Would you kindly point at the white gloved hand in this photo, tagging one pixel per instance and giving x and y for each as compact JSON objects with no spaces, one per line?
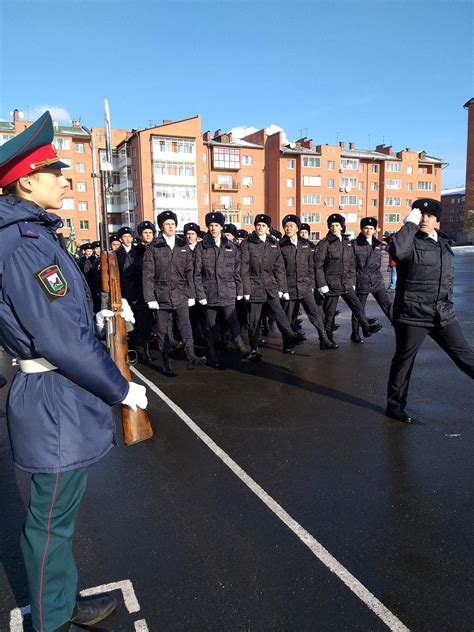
{"x":239,"y":298}
{"x":203,"y":301}
{"x":286,"y":296}
{"x":153,"y":305}
{"x":280,"y":294}
{"x":354,"y":287}
{"x":191,"y":302}
{"x":127,"y":313}
{"x":413,"y":216}
{"x":247,"y":297}
{"x":100,"y":319}
{"x":323,"y":290}
{"x":136,"y":396}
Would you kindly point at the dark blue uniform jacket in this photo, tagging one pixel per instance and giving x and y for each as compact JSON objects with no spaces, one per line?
{"x":58,"y":420}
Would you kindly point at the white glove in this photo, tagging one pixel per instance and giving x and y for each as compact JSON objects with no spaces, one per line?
{"x":354,"y":287}
{"x":247,"y":297}
{"x":203,"y":301}
{"x":153,"y":305}
{"x":323,"y":290}
{"x":127,"y":313}
{"x":136,"y":396}
{"x":286,"y":296}
{"x":413,"y":216}
{"x":191,"y":302}
{"x":101,"y":316}
{"x":239,"y":298}
{"x":280,"y":294}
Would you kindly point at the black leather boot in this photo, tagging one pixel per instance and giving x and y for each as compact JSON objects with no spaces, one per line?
{"x":240,"y":344}
{"x":327,"y":345}
{"x":146,"y":352}
{"x":369,"y":330}
{"x":193,"y":360}
{"x":91,"y":610}
{"x":253,"y":355}
{"x":167,"y":370}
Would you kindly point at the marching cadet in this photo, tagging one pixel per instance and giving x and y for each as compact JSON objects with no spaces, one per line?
{"x":336,"y":277}
{"x":240,"y":235}
{"x":369,"y":280}
{"x":264,"y":281}
{"x":218,"y":283}
{"x":299,"y":265}
{"x":59,"y":415}
{"x":168,"y":288}
{"x":192,"y":234}
{"x":125,"y":257}
{"x":423,"y":304}
{"x":144,"y":316}
{"x":114,"y":242}
{"x":89,"y":264}
{"x":230,"y":231}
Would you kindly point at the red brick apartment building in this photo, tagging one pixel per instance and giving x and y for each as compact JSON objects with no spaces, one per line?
{"x":452,"y":221}
{"x":469,"y":202}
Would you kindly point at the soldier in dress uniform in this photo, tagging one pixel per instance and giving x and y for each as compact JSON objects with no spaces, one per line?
{"x":300,"y":275}
{"x":144,"y":316}
{"x":369,"y":280}
{"x":168,"y":288}
{"x":423,"y":304}
{"x":59,"y":415}
{"x":336,"y":276}
{"x":264,"y":281}
{"x":218,"y":283}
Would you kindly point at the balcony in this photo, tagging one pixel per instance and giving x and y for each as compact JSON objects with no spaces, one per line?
{"x":220,"y":186}
{"x":226,"y":208}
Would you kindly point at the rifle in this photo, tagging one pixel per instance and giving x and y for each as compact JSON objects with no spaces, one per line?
{"x":135,"y":424}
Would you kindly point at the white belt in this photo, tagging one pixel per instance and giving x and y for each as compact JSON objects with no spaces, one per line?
{"x":36,"y":365}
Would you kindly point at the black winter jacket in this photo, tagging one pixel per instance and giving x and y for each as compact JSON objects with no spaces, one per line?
{"x":368,"y":261}
{"x":217,"y":271}
{"x":262,"y":269}
{"x":334,"y":261}
{"x":168,"y":274}
{"x":299,"y":265}
{"x":425,"y":277}
{"x":125,"y":262}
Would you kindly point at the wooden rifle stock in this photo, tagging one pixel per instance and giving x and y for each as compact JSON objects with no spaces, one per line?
{"x":135,"y":424}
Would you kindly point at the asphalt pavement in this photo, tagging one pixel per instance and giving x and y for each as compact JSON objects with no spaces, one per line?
{"x":278,"y":496}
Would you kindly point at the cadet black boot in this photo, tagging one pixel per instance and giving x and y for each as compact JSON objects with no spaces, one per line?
{"x":326,"y":345}
{"x":167,"y":370}
{"x":193,"y":360}
{"x":91,"y":610}
{"x":356,"y":338}
{"x":253,"y":355}
{"x":369,"y":330}
{"x":240,"y":344}
{"x":146,"y":352}
{"x":398,"y":414}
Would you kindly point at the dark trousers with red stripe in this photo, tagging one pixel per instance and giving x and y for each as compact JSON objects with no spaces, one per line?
{"x":46,"y":543}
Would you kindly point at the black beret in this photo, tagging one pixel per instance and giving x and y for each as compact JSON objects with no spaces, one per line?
{"x":336,"y":217}
{"x":428,"y":205}
{"x":125,"y":230}
{"x":215,"y":218}
{"x":230,"y":228}
{"x":262,"y":218}
{"x":95,"y":244}
{"x":368,"y":221}
{"x":305,"y":226}
{"x":192,"y":226}
{"x":144,"y":226}
{"x":291,"y":218}
{"x":241,"y":234}
{"x":164,"y":215}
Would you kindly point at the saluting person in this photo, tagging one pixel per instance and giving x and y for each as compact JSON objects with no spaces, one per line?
{"x":59,"y":415}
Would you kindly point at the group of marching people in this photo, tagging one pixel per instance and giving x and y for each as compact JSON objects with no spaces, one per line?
{"x":223,"y":282}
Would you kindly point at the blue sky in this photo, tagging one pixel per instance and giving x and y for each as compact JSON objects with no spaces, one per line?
{"x":354,"y":70}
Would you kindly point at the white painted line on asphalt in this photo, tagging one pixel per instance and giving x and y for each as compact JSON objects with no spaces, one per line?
{"x":390,"y":620}
{"x":141,"y":626}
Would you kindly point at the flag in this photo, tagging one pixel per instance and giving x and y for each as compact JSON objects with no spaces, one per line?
{"x":71,"y":242}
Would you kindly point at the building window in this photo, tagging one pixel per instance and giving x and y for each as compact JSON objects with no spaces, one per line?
{"x":84,"y":224}
{"x":206,"y":198}
{"x":408,"y":203}
{"x":67,"y":222}
{"x":204,"y":178}
{"x":393,"y":201}
{"x":309,"y":161}
{"x":290,"y":183}
{"x":162,"y":168}
{"x":349,"y":182}
{"x":409,"y":186}
{"x":374,"y":186}
{"x":373,"y":203}
{"x":312,"y":198}
{"x":393,"y":184}
{"x":290,"y":201}
{"x":394,"y":166}
{"x":330,"y":201}
{"x":62,"y":144}
{"x":374,"y":168}
{"x":173,"y":145}
{"x":247,"y":200}
{"x":330,"y":183}
{"x":68,"y":204}
{"x":80,"y":167}
{"x":82,"y":206}
{"x":247,"y":181}
{"x":204,"y":157}
{"x":247,"y":160}
{"x":312,"y":218}
{"x":290,"y":164}
{"x":314,"y":235}
{"x":82,"y":187}
{"x":424,"y":185}
{"x":347,"y":163}
{"x":226,"y":158}
{"x":331,"y":164}
{"x":248,"y":219}
{"x":224,"y":180}
{"x":348,"y":199}
{"x":79,"y":148}
{"x":361,"y":168}
{"x":391,"y":218}
{"x":409,"y":170}
{"x":312,"y":181}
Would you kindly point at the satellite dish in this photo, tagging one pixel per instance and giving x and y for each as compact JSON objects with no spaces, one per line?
{"x":348,"y":189}
{"x":293,"y":145}
{"x":21,"y":115}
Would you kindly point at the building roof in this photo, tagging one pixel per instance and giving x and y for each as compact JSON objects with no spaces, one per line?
{"x":65,"y":130}
{"x":6,"y":126}
{"x":235,"y":143}
{"x":367,"y":154}
{"x":455,"y":191}
{"x":468,"y":103}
